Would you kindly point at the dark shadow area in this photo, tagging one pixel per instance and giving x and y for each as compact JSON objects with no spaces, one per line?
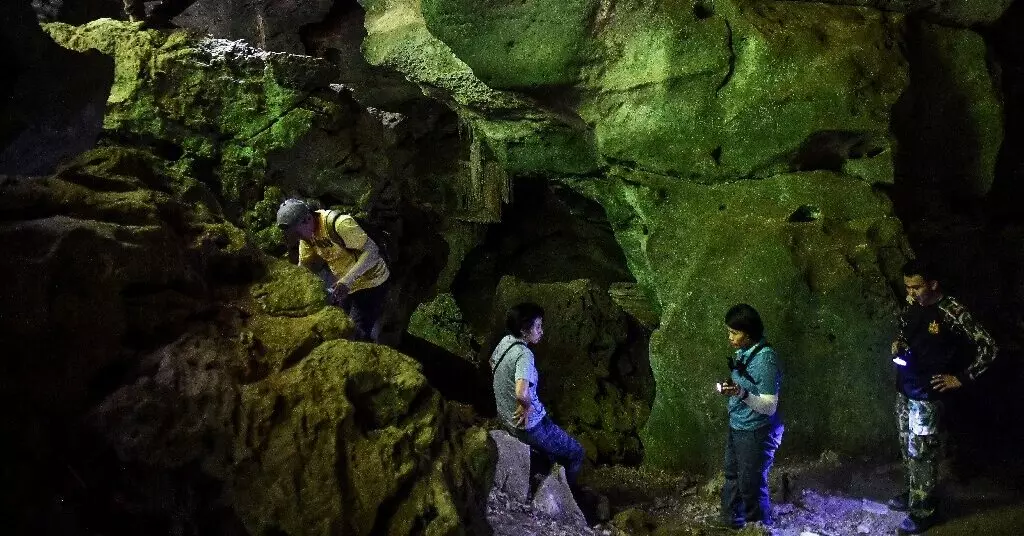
{"x":830,"y":149}
{"x":549,"y":234}
{"x":338,"y":38}
{"x":454,"y":377}
{"x":52,"y":100}
{"x":939,"y":148}
{"x":1006,"y":43}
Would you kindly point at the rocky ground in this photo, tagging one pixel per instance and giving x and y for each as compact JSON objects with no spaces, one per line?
{"x":829,"y":497}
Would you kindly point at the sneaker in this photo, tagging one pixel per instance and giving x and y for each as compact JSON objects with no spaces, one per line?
{"x":899,"y":503}
{"x":916,"y":525}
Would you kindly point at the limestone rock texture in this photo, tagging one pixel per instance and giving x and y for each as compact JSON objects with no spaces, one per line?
{"x":740,"y":149}
{"x":186,"y":382}
{"x":815,"y":253}
{"x":256,"y":124}
{"x":268,"y":25}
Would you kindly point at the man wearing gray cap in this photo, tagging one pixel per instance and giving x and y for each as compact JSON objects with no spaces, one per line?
{"x":357,"y":271}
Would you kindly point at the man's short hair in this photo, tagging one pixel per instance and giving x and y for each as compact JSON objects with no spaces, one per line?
{"x":291,"y":212}
{"x":745,"y":318}
{"x":521,"y":317}
{"x":921,"y":267}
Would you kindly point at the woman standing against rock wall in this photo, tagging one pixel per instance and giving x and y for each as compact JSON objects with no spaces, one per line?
{"x":755,"y":425}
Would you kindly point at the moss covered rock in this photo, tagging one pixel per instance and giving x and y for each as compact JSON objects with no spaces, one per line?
{"x":521,"y":133}
{"x":815,"y":253}
{"x":714,"y":92}
{"x":738,"y":89}
{"x":511,"y":44}
{"x":440,"y":321}
{"x":227,"y":113}
{"x":197,"y":367}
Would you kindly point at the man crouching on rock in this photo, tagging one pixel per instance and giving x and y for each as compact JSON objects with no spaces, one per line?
{"x":515,"y":392}
{"x":357,"y":271}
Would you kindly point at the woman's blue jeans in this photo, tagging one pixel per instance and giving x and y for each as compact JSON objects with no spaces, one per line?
{"x":748,"y":458}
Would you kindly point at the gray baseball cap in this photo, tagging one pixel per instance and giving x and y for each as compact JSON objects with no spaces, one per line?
{"x":292,"y":211}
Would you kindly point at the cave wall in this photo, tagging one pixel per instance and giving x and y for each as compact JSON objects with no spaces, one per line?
{"x":744,"y":151}
{"x":765,"y":152}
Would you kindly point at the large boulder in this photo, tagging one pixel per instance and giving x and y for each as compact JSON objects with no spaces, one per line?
{"x":184,"y":379}
{"x":350,"y":439}
{"x":815,"y":253}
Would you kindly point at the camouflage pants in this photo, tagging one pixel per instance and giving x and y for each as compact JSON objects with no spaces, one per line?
{"x":921,"y":447}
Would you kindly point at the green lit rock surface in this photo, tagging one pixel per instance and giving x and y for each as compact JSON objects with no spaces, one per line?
{"x":511,"y":44}
{"x":440,"y":322}
{"x":223,"y":111}
{"x":732,"y":90}
{"x":814,"y":253}
{"x":523,"y":134}
{"x":737,"y":91}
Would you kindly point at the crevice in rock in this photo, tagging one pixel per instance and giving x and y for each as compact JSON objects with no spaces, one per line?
{"x":453,"y":376}
{"x":805,"y":214}
{"x":732,"y":59}
{"x":830,"y":149}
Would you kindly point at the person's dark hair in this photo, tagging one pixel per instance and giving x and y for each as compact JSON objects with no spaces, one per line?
{"x":920,"y":267}
{"x":745,"y":318}
{"x":521,"y":317}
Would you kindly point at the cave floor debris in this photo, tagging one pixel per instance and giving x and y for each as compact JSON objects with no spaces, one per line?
{"x":823,"y":498}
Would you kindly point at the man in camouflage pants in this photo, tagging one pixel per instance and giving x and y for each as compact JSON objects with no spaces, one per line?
{"x":928,"y":352}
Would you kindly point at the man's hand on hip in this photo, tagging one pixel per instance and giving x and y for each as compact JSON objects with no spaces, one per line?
{"x":945,"y":382}
{"x":339,"y":292}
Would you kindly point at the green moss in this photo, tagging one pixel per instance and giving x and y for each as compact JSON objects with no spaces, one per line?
{"x":288,"y":290}
{"x":440,"y":322}
{"x":225,"y":105}
{"x":735,"y":94}
{"x":525,"y":137}
{"x":822,"y":286}
{"x":514,"y":44}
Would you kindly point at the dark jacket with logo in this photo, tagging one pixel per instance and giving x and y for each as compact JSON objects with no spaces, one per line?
{"x":941,"y":338}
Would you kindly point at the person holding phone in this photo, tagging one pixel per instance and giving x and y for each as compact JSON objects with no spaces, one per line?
{"x":755,"y":425}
